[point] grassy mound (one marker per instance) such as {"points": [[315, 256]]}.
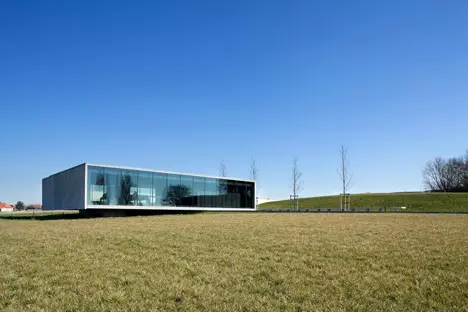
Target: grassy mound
{"points": [[447, 202]]}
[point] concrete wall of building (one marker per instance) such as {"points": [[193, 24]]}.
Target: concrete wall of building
{"points": [[65, 190]]}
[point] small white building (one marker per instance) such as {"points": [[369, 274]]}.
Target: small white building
{"points": [[6, 209]]}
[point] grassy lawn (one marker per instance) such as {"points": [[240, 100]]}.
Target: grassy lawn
{"points": [[236, 262], [447, 202]]}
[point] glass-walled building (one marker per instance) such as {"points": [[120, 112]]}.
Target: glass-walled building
{"points": [[106, 187]]}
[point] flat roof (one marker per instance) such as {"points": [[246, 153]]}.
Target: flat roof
{"points": [[151, 170], [71, 168], [169, 172]]}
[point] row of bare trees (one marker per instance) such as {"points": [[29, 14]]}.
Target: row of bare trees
{"points": [[439, 175], [297, 183], [447, 175], [253, 171], [346, 176]]}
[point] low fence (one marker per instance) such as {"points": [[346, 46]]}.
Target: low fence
{"points": [[357, 210], [386, 209]]}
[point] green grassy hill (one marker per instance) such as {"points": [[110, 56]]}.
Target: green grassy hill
{"points": [[413, 201]]}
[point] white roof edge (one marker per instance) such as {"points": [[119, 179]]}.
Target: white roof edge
{"points": [[169, 172]]}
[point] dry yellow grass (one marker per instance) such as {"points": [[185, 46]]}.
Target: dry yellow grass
{"points": [[236, 262]]}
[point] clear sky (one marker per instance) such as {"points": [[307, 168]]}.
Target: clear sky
{"points": [[183, 85]]}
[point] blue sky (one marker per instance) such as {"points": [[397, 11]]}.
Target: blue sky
{"points": [[183, 85]]}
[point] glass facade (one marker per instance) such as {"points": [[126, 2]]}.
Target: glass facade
{"points": [[121, 187]]}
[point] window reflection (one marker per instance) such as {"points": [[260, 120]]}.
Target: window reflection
{"points": [[113, 186], [128, 188], [159, 186], [199, 192], [145, 188], [96, 195], [211, 192], [186, 191]]}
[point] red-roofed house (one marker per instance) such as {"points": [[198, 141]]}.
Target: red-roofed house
{"points": [[4, 207]]}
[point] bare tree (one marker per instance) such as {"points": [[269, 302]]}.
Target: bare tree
{"points": [[432, 173], [222, 169], [346, 176], [297, 183], [464, 176], [442, 175], [253, 173], [456, 173]]}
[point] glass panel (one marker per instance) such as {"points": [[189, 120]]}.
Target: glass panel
{"points": [[222, 196], [211, 192], [145, 188], [199, 192], [239, 192], [128, 188], [111, 186], [249, 195], [186, 191], [95, 186], [234, 190], [160, 187], [172, 196]]}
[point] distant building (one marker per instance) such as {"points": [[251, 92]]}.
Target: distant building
{"points": [[4, 207], [34, 207]]}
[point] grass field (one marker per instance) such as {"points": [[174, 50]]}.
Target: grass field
{"points": [[236, 262], [447, 202]]}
